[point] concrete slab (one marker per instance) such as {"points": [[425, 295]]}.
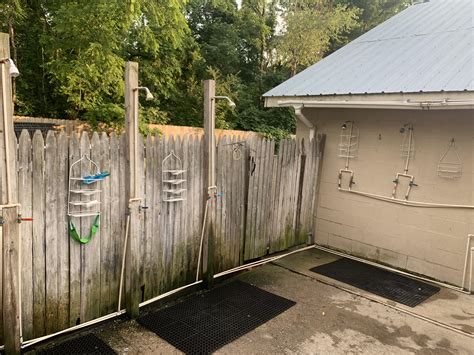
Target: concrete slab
{"points": [[448, 307], [325, 320]]}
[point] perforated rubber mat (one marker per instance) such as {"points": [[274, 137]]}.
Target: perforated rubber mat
{"points": [[207, 322], [87, 344], [378, 281]]}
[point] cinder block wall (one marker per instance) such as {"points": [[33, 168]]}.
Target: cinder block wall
{"points": [[426, 241]]}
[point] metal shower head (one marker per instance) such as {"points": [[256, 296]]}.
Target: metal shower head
{"points": [[14, 72], [229, 101], [149, 95]]}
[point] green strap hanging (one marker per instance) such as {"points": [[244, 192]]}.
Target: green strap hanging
{"points": [[75, 235]]}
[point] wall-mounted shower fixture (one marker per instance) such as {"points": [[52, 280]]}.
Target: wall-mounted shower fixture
{"points": [[349, 141], [348, 149], [411, 180], [149, 95], [450, 164], [407, 152]]}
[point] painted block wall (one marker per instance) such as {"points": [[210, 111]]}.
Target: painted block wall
{"points": [[425, 241]]}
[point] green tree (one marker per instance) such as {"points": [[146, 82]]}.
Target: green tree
{"points": [[75, 52], [372, 13], [84, 49], [35, 92], [71, 54], [214, 27], [309, 28], [10, 12]]}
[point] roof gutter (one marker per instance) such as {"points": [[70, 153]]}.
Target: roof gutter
{"points": [[406, 104], [305, 121]]}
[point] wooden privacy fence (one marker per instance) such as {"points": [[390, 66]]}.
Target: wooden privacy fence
{"points": [[265, 204]]}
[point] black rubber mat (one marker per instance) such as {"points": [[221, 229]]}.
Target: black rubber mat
{"points": [[207, 322], [378, 281], [87, 344]]}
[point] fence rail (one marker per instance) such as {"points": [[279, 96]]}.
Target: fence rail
{"points": [[264, 205]]}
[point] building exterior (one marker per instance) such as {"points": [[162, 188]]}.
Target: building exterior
{"points": [[397, 108]]}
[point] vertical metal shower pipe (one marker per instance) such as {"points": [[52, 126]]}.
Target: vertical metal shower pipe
{"points": [[349, 145], [466, 259], [410, 137], [470, 272], [135, 139]]}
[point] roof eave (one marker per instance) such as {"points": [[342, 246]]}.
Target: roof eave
{"points": [[413, 101]]}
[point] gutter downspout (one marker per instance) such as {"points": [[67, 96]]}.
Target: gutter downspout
{"points": [[306, 122]]}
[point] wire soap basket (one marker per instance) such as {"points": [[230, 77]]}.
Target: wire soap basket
{"points": [[173, 178], [83, 199], [349, 140], [450, 164]]}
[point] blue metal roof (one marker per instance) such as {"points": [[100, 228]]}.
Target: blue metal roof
{"points": [[428, 47]]}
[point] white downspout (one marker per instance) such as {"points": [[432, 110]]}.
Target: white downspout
{"points": [[306, 122]]}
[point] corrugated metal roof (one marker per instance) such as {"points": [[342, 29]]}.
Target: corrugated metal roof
{"points": [[428, 47]]}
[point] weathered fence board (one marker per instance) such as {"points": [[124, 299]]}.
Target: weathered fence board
{"points": [[51, 235], [106, 238], [116, 220], [264, 204], [149, 230], [74, 248], [25, 195], [39, 261], [156, 205], [62, 229], [123, 210]]}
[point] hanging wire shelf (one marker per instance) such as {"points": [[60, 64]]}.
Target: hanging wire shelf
{"points": [[450, 163], [85, 192], [83, 202], [349, 141], [173, 178]]}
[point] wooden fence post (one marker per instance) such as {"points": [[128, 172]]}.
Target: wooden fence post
{"points": [[7, 138], [321, 142], [11, 285], [210, 180], [10, 260], [132, 289], [302, 146]]}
